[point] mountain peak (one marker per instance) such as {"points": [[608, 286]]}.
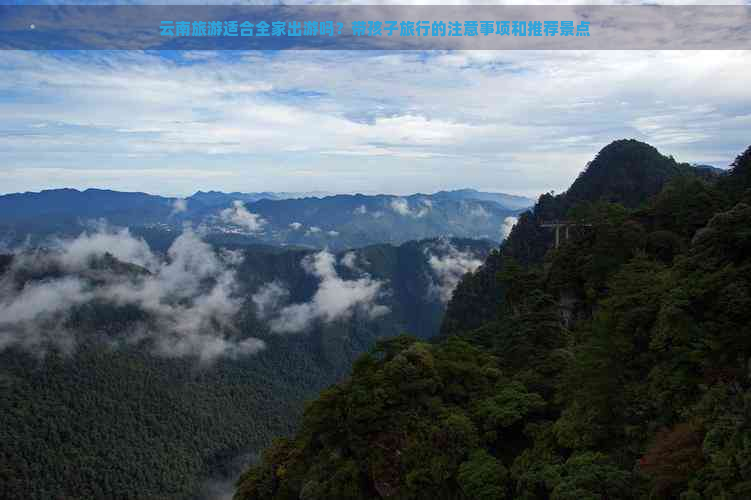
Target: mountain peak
{"points": [[632, 144], [625, 171]]}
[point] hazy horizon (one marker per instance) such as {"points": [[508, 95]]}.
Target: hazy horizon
{"points": [[314, 193]]}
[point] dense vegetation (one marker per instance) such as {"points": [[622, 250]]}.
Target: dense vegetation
{"points": [[615, 366], [104, 422]]}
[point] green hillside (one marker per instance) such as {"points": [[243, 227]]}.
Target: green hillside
{"points": [[109, 418], [615, 366]]}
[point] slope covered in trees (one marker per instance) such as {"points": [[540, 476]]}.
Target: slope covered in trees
{"points": [[615, 366], [102, 416]]}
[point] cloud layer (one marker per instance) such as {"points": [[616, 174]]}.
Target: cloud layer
{"points": [[508, 225], [190, 297], [402, 207], [449, 265], [515, 121], [335, 298], [238, 215], [179, 206]]}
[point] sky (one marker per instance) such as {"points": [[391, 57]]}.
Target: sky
{"points": [[522, 122]]}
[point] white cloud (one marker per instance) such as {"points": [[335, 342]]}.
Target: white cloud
{"points": [[361, 210], [40, 300], [334, 299], [295, 226], [479, 211], [424, 209], [508, 224], [269, 298], [449, 265], [313, 230], [74, 254], [522, 121], [191, 298], [354, 262], [333, 233], [180, 205], [401, 207], [349, 261], [238, 215], [421, 131]]}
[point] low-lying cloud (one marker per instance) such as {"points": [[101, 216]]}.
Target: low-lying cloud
{"points": [[334, 299], [179, 206], [508, 225], [479, 211], [401, 206], [269, 298], [190, 298], [449, 265], [238, 215], [349, 260], [75, 255]]}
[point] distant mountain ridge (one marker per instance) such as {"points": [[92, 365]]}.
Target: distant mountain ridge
{"points": [[337, 222], [222, 198], [59, 199], [68, 201], [506, 200]]}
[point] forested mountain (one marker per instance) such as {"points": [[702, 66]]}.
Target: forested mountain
{"points": [[127, 374], [626, 172], [294, 219], [613, 366], [505, 200], [346, 221]]}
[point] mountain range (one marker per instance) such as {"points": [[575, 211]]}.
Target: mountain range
{"points": [[157, 353], [337, 222]]}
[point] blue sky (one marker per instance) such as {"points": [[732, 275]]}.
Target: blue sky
{"points": [[517, 121]]}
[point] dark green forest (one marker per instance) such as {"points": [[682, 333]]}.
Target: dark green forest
{"points": [[105, 422], [615, 366]]}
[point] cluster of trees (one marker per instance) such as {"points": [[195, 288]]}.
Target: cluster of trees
{"points": [[616, 366], [121, 422]]}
